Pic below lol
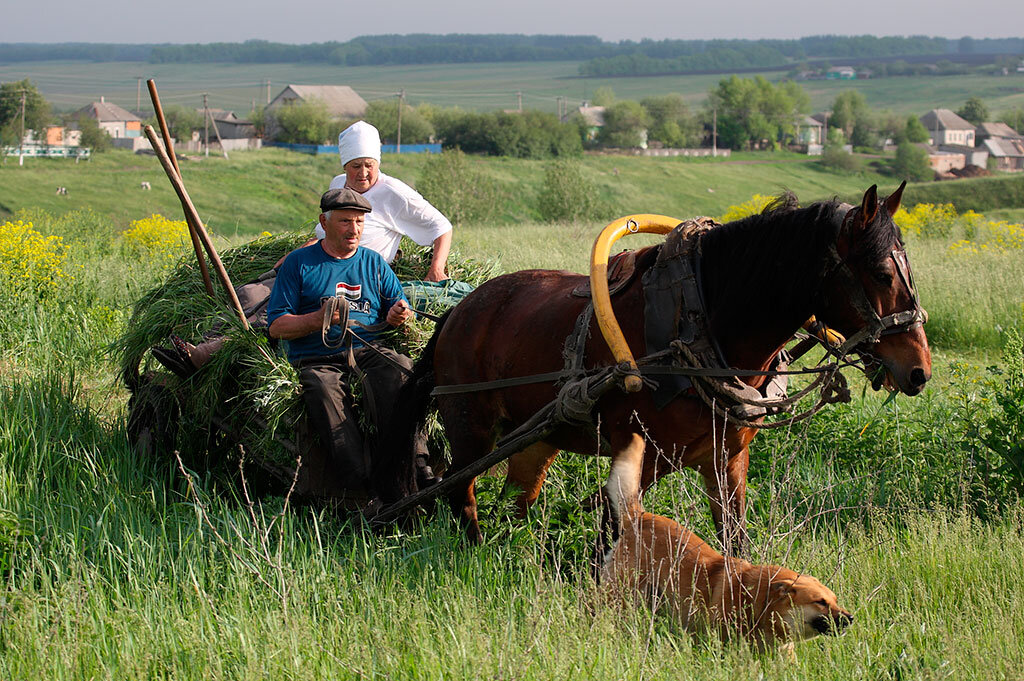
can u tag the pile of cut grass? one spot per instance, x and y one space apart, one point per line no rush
247 387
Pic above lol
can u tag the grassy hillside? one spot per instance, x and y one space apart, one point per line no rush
70 85
273 189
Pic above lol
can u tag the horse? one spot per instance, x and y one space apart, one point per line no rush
761 278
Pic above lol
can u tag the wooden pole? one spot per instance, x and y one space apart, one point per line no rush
169 142
190 212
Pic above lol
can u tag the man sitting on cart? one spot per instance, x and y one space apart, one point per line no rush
357 289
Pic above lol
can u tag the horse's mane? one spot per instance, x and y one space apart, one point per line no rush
783 250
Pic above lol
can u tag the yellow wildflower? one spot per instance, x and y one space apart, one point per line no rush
29 261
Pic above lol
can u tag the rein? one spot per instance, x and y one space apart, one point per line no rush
717 385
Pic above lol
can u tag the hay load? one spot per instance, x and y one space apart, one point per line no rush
247 399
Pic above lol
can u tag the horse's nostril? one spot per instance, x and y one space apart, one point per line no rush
918 377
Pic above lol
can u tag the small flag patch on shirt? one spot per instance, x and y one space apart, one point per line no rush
349 291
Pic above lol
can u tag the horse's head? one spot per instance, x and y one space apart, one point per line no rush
870 297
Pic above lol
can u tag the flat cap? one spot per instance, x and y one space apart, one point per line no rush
343 198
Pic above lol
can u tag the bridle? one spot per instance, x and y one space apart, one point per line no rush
873 327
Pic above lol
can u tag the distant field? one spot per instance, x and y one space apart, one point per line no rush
70 85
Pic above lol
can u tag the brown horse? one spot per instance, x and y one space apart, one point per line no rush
761 278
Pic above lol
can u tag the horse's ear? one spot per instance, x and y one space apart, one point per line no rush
868 207
892 204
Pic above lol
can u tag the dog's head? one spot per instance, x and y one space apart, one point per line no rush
799 607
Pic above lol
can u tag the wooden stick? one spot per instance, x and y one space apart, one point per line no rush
169 145
190 211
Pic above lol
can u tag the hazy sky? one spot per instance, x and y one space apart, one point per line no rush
305 21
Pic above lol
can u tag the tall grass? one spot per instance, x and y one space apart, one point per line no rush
116 566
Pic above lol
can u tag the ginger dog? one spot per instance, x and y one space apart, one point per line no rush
668 564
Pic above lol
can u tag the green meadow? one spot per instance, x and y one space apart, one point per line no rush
119 566
274 189
70 85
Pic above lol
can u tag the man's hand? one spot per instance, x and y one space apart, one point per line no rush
399 313
435 274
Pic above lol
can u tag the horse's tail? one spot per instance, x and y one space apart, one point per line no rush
394 469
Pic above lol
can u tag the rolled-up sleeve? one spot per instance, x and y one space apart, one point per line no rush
420 221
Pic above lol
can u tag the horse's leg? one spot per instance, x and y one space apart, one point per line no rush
526 471
622 444
727 492
471 438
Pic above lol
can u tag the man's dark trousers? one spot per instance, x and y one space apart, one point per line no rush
326 390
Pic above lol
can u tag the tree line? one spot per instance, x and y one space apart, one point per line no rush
715 55
624 57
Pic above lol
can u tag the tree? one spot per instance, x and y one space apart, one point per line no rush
912 163
181 121
752 111
915 130
625 125
567 195
671 121
383 115
603 96
849 108
37 109
301 122
974 111
1014 118
93 136
835 157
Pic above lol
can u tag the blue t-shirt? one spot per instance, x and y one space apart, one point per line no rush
309 274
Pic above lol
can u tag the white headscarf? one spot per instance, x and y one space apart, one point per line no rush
359 140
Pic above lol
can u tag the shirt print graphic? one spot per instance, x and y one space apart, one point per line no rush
352 293
349 291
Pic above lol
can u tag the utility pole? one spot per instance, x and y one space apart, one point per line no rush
206 126
714 132
216 131
519 100
268 91
138 95
559 100
21 140
401 98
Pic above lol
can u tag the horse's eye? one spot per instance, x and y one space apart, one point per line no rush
882 277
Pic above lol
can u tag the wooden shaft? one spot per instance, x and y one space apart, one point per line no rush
631 224
190 211
193 233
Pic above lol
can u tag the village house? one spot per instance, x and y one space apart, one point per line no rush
593 119
341 100
810 131
115 121
841 73
1003 144
945 127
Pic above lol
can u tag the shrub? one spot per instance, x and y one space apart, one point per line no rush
754 205
567 195
383 115
530 134
93 136
460 192
30 263
912 163
836 158
157 237
301 123
934 221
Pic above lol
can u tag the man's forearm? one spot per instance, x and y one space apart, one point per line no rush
442 246
292 326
